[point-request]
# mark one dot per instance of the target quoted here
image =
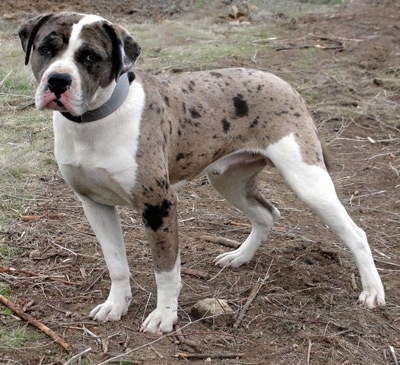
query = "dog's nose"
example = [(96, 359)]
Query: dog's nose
[(58, 83)]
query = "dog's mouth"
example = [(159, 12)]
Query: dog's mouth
[(56, 104), (53, 102)]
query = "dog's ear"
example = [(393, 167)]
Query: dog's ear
[(28, 31), (125, 50)]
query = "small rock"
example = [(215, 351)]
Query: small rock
[(217, 311)]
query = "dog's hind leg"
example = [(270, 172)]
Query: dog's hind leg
[(234, 177), (313, 186)]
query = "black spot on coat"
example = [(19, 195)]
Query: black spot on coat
[(179, 156), (254, 122), (241, 106), (226, 126), (191, 86), (194, 113), (153, 215)]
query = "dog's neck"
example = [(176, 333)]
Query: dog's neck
[(116, 99)]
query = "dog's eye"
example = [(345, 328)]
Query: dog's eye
[(91, 57), (46, 51)]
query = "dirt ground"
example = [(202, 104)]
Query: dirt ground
[(305, 312)]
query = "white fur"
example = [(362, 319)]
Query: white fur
[(87, 159), (314, 186), (106, 172), (163, 318)]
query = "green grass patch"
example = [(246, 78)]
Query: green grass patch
[(7, 252), (17, 337), (191, 46)]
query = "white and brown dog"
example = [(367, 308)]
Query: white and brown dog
[(123, 137)]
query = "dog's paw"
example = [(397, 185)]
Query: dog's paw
[(110, 310), (160, 321), (232, 259), (372, 298)]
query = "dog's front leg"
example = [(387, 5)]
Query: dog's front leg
[(160, 219), (105, 223)]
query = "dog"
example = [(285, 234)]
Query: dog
[(123, 137)]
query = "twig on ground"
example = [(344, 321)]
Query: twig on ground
[(221, 240), (239, 224), (34, 322), (394, 169), (353, 282), (185, 355), (90, 286), (104, 344), (126, 342), (386, 262), (5, 78), (198, 273), (158, 353), (309, 352), (159, 338), (221, 333), (183, 340), (78, 356), (254, 291), (393, 353), (30, 218), (28, 305), (40, 276)]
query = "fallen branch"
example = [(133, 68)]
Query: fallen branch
[(30, 273), (34, 322), (240, 224), (30, 218), (254, 291), (221, 240), (198, 273), (185, 355)]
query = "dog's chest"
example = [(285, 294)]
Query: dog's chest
[(96, 161)]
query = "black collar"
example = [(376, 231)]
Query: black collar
[(117, 98)]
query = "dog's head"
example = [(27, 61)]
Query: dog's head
[(76, 59)]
